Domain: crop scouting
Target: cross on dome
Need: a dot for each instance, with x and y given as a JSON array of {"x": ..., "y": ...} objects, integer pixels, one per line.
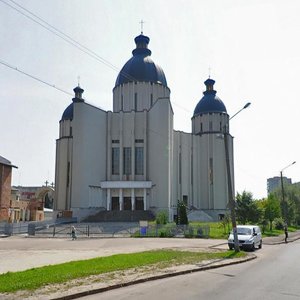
[{"x": 142, "y": 25}]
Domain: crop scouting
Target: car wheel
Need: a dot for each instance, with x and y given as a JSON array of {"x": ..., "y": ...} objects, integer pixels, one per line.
[
  {"x": 253, "y": 247},
  {"x": 260, "y": 245}
]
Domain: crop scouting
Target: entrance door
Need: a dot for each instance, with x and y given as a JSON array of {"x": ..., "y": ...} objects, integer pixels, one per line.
[
  {"x": 127, "y": 203},
  {"x": 115, "y": 204},
  {"x": 139, "y": 203}
]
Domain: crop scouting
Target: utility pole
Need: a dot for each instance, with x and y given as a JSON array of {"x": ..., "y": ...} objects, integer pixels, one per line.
[{"x": 231, "y": 195}]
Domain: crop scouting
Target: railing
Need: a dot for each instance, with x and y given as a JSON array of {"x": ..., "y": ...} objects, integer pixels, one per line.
[
  {"x": 173, "y": 230},
  {"x": 102, "y": 230}
]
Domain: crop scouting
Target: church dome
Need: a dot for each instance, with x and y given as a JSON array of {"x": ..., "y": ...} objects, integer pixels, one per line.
[
  {"x": 141, "y": 67},
  {"x": 68, "y": 113},
  {"x": 210, "y": 103}
]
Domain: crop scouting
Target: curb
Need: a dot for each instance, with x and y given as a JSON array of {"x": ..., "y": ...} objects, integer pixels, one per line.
[{"x": 152, "y": 278}]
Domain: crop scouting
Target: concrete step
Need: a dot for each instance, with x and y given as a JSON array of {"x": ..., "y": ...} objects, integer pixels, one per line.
[{"x": 121, "y": 216}]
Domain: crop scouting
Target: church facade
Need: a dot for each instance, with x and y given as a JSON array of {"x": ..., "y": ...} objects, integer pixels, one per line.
[{"x": 131, "y": 158}]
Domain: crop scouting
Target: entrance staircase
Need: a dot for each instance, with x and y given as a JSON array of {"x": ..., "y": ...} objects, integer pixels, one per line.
[{"x": 121, "y": 216}]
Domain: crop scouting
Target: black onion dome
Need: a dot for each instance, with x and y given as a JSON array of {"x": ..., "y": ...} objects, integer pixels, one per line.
[
  {"x": 141, "y": 67},
  {"x": 210, "y": 103}
]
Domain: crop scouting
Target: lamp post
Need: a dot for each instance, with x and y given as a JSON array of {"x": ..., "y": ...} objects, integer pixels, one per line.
[
  {"x": 229, "y": 183},
  {"x": 284, "y": 203}
]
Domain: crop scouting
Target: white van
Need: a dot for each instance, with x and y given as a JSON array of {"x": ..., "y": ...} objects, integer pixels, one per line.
[{"x": 249, "y": 237}]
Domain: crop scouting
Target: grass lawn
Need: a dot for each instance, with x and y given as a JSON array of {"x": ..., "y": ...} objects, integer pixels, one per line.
[{"x": 37, "y": 277}]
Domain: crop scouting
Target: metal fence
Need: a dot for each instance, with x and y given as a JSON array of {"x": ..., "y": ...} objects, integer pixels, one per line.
[
  {"x": 98, "y": 230},
  {"x": 30, "y": 228},
  {"x": 88, "y": 230},
  {"x": 173, "y": 230}
]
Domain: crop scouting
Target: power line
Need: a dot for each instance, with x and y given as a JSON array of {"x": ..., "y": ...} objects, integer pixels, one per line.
[
  {"x": 65, "y": 37},
  {"x": 33, "y": 77}
]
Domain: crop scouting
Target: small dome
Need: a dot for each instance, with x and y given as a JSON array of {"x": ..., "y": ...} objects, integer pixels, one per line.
[
  {"x": 141, "y": 67},
  {"x": 68, "y": 113},
  {"x": 210, "y": 103}
]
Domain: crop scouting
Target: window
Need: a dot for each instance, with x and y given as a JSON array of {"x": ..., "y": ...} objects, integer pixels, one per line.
[
  {"x": 115, "y": 141},
  {"x": 139, "y": 141},
  {"x": 201, "y": 129},
  {"x": 151, "y": 99},
  {"x": 179, "y": 168},
  {"x": 127, "y": 161},
  {"x": 185, "y": 199},
  {"x": 135, "y": 101},
  {"x": 115, "y": 161},
  {"x": 139, "y": 160},
  {"x": 211, "y": 168},
  {"x": 122, "y": 103}
]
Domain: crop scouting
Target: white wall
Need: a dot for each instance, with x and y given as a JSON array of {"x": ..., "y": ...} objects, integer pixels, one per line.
[
  {"x": 160, "y": 153},
  {"x": 89, "y": 153},
  {"x": 144, "y": 91}
]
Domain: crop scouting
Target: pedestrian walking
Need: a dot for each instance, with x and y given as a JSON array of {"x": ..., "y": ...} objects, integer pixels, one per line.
[
  {"x": 73, "y": 233},
  {"x": 286, "y": 233}
]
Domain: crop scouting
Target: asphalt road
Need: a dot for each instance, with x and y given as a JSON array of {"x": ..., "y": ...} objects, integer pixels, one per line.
[{"x": 274, "y": 275}]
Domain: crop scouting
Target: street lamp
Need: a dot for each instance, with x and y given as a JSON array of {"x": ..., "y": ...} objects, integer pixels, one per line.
[
  {"x": 230, "y": 189},
  {"x": 284, "y": 203}
]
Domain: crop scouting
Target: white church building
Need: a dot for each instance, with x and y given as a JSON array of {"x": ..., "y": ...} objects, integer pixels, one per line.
[{"x": 132, "y": 159}]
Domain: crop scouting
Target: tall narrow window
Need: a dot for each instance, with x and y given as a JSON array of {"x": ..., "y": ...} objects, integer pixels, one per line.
[
  {"x": 179, "y": 168},
  {"x": 135, "y": 101},
  {"x": 127, "y": 161},
  {"x": 139, "y": 161},
  {"x": 122, "y": 103},
  {"x": 115, "y": 161},
  {"x": 68, "y": 174},
  {"x": 151, "y": 99},
  {"x": 201, "y": 129},
  {"x": 211, "y": 168}
]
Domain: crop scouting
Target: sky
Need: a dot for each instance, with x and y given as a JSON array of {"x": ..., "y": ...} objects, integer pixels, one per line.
[{"x": 250, "y": 48}]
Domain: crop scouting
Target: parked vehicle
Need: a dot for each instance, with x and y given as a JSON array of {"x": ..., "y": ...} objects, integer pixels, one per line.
[{"x": 249, "y": 237}]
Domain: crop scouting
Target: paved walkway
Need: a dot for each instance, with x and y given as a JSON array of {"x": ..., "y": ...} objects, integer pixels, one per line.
[{"x": 21, "y": 253}]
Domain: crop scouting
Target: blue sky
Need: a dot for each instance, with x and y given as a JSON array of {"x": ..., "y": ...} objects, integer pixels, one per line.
[{"x": 251, "y": 47}]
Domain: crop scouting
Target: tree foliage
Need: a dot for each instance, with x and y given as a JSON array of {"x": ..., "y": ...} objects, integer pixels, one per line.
[
  {"x": 247, "y": 210},
  {"x": 292, "y": 198},
  {"x": 272, "y": 209},
  {"x": 182, "y": 218}
]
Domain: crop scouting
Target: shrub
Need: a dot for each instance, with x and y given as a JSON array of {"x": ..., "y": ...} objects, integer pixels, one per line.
[
  {"x": 162, "y": 217},
  {"x": 279, "y": 223}
]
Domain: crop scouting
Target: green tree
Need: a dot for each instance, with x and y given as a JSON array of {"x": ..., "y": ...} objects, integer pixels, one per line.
[
  {"x": 292, "y": 198},
  {"x": 247, "y": 209},
  {"x": 272, "y": 209},
  {"x": 182, "y": 218}
]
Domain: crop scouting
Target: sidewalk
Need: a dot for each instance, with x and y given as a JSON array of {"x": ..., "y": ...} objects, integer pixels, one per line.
[{"x": 275, "y": 240}]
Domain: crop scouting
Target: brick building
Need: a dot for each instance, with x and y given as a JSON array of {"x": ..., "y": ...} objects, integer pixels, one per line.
[{"x": 5, "y": 188}]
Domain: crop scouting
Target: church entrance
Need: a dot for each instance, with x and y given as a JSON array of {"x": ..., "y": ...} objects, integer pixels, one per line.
[
  {"x": 127, "y": 203},
  {"x": 115, "y": 204},
  {"x": 139, "y": 203}
]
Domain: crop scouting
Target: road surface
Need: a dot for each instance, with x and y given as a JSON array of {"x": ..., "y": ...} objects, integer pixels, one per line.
[{"x": 274, "y": 275}]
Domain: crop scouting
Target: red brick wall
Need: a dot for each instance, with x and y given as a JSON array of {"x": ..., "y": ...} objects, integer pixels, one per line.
[{"x": 5, "y": 191}]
